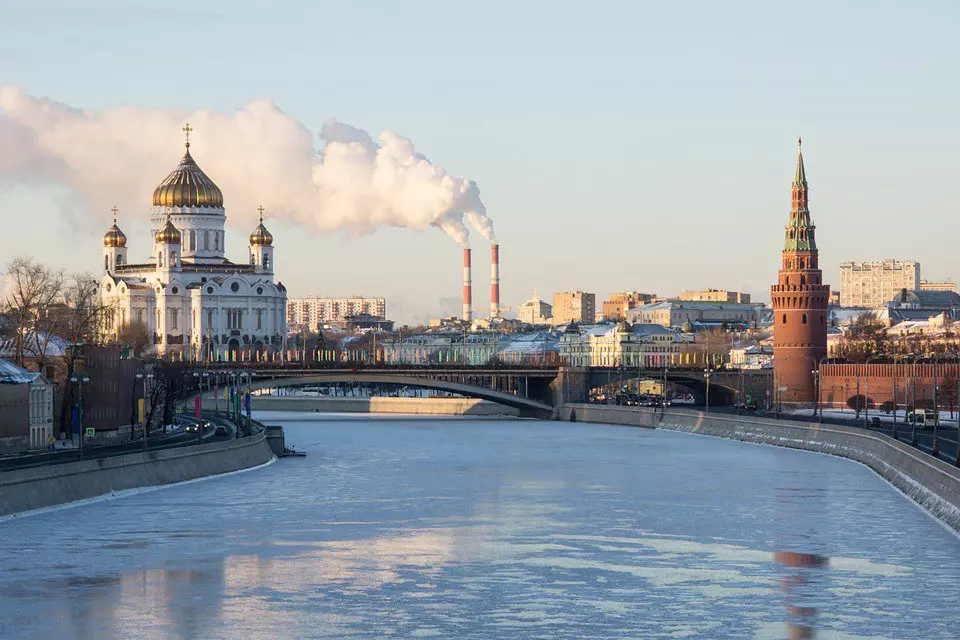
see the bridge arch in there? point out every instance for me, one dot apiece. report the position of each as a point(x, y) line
point(527, 406)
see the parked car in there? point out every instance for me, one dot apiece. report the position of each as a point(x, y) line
point(220, 430)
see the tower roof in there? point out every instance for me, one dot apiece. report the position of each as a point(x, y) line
point(169, 234)
point(800, 175)
point(114, 237)
point(187, 185)
point(260, 236)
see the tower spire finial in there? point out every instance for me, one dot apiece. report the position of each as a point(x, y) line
point(115, 210)
point(186, 130)
point(261, 210)
point(799, 142)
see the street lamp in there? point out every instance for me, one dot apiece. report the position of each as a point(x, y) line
point(145, 378)
point(866, 393)
point(79, 380)
point(706, 374)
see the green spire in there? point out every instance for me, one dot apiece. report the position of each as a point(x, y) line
point(800, 175)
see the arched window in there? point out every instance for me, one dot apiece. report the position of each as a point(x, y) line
point(120, 259)
point(216, 240)
point(160, 258)
point(206, 239)
point(801, 263)
point(173, 259)
point(266, 260)
point(804, 319)
point(106, 263)
point(803, 279)
point(784, 319)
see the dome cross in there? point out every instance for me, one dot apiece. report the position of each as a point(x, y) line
point(115, 210)
point(186, 130)
point(261, 210)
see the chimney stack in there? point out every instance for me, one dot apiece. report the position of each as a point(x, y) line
point(494, 281)
point(467, 288)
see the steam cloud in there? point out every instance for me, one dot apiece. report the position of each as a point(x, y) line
point(257, 155)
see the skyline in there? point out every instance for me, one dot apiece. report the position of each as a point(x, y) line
point(687, 155)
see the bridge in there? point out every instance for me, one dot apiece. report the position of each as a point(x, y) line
point(532, 390)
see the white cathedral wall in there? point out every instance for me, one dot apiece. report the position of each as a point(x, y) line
point(202, 230)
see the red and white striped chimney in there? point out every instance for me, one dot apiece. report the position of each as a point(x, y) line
point(467, 288)
point(494, 281)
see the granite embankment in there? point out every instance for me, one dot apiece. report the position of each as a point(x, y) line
point(46, 486)
point(420, 406)
point(933, 484)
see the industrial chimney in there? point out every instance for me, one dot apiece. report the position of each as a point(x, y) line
point(494, 281)
point(467, 288)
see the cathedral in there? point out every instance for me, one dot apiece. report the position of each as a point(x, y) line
point(194, 302)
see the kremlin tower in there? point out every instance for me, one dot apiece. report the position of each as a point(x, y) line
point(799, 302)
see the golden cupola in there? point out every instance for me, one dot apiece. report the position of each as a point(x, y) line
point(260, 236)
point(114, 237)
point(169, 234)
point(188, 185)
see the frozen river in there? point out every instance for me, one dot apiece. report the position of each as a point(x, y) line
point(467, 528)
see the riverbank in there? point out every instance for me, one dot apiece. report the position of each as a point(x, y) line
point(418, 406)
point(931, 483)
point(41, 487)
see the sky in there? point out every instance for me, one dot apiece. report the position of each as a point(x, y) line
point(617, 145)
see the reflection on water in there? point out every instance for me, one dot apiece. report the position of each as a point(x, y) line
point(475, 529)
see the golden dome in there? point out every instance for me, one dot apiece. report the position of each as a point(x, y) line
point(114, 237)
point(260, 236)
point(169, 234)
point(187, 185)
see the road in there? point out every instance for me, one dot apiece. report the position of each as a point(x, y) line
point(946, 433)
point(180, 437)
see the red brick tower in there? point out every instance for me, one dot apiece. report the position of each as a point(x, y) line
point(799, 302)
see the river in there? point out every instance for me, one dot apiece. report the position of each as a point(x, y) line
point(416, 527)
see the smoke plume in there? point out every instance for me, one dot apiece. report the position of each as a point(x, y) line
point(257, 155)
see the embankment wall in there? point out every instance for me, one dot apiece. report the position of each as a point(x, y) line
point(27, 489)
point(933, 484)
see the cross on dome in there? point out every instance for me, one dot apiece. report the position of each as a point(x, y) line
point(115, 210)
point(186, 130)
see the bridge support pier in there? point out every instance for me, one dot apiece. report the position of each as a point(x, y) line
point(570, 385)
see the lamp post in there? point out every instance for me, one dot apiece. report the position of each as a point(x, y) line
point(145, 378)
point(79, 380)
point(866, 393)
point(706, 374)
point(913, 393)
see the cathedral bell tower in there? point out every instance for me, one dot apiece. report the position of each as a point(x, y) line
point(799, 302)
point(261, 247)
point(114, 247)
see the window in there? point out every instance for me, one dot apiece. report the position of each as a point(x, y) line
point(173, 318)
point(173, 260)
point(209, 318)
point(804, 319)
point(266, 261)
point(216, 240)
point(259, 318)
point(160, 258)
point(106, 263)
point(193, 240)
point(206, 239)
point(120, 259)
point(784, 319)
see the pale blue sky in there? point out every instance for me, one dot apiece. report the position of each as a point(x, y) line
point(618, 145)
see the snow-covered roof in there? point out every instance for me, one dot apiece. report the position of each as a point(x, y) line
point(12, 374)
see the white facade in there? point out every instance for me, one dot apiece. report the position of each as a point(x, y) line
point(871, 284)
point(41, 412)
point(608, 345)
point(193, 301)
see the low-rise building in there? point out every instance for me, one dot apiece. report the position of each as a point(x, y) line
point(536, 311)
point(614, 345)
point(26, 408)
point(615, 309)
point(752, 356)
point(715, 295)
point(675, 314)
point(927, 285)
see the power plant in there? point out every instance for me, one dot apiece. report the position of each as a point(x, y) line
point(494, 281)
point(467, 314)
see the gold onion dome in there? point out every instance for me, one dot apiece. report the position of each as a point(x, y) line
point(114, 237)
point(188, 185)
point(260, 236)
point(169, 234)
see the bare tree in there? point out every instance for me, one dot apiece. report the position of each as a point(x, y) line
point(137, 336)
point(33, 290)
